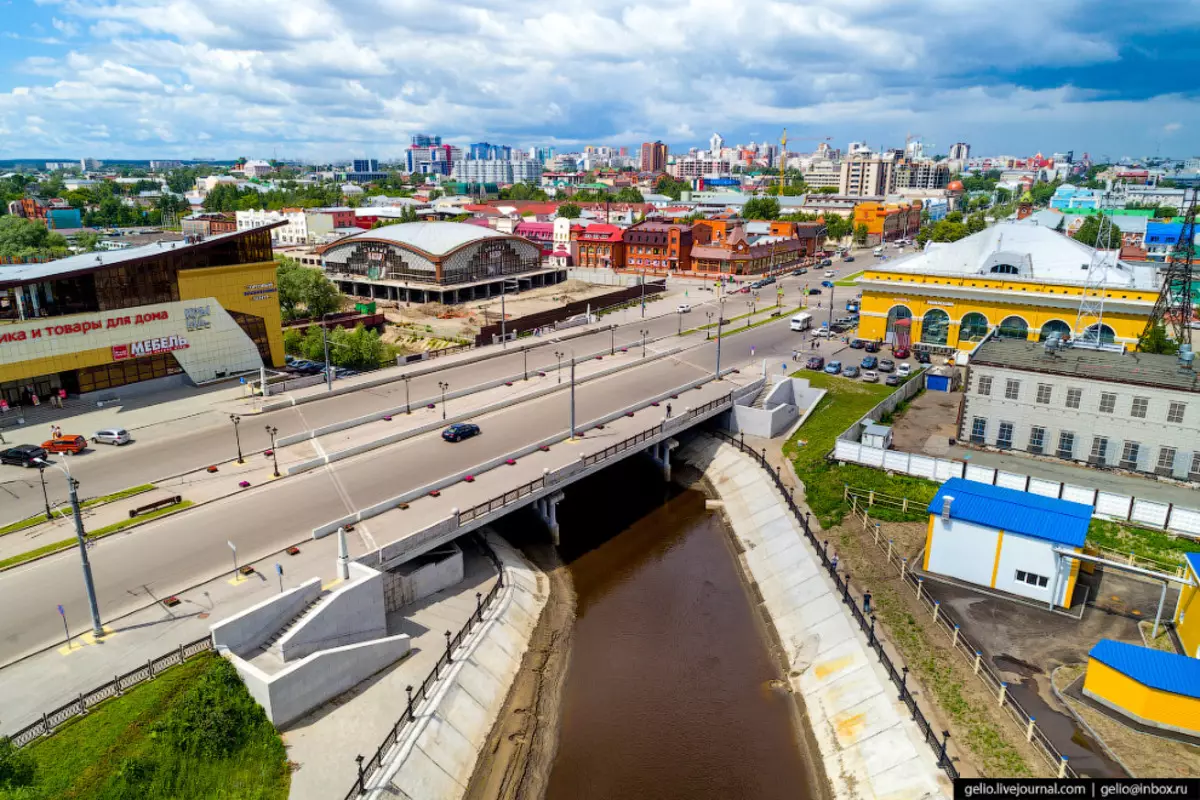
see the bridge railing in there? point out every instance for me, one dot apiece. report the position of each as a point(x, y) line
point(500, 501)
point(612, 450)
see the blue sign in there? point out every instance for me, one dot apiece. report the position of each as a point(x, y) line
point(278, 568)
point(61, 612)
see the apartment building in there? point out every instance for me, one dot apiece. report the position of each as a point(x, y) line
point(867, 174)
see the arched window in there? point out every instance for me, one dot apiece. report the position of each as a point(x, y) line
point(898, 314)
point(1055, 327)
point(935, 326)
point(1107, 334)
point(1013, 328)
point(973, 327)
point(1005, 269)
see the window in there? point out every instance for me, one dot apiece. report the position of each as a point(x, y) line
point(1175, 412)
point(1194, 472)
point(978, 430)
point(985, 385)
point(1012, 389)
point(1043, 393)
point(1005, 436)
point(1108, 403)
point(1138, 409)
point(1037, 439)
point(1129, 455)
point(1073, 396)
point(1066, 445)
point(1166, 461)
point(1040, 581)
point(1099, 450)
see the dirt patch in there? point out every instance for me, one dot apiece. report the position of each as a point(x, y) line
point(928, 424)
point(515, 761)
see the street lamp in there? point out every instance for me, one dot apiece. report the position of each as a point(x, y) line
point(407, 404)
point(720, 321)
point(707, 332)
point(680, 331)
point(444, 386)
point(45, 496)
point(749, 305)
point(525, 353)
point(612, 340)
point(236, 420)
point(572, 395)
point(558, 356)
point(89, 584)
point(644, 334)
point(325, 342)
point(271, 432)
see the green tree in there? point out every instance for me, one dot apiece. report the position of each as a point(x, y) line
point(86, 242)
point(1165, 212)
point(1089, 234)
point(1155, 340)
point(976, 223)
point(838, 227)
point(569, 211)
point(1003, 196)
point(827, 190)
point(215, 716)
point(17, 766)
point(671, 187)
point(292, 340)
point(303, 291)
point(1042, 192)
point(761, 208)
point(628, 194)
point(357, 349)
point(860, 234)
point(24, 238)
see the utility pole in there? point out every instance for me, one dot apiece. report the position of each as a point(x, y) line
point(236, 420)
point(45, 495)
point(832, 287)
point(89, 584)
point(559, 356)
point(644, 335)
point(407, 403)
point(271, 431)
point(444, 386)
point(572, 395)
point(720, 321)
point(328, 370)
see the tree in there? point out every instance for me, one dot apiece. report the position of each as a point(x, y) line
point(1042, 192)
point(838, 227)
point(976, 223)
point(17, 766)
point(303, 289)
point(1003, 196)
point(1089, 234)
point(628, 194)
point(1155, 340)
point(860, 234)
point(671, 187)
point(86, 242)
point(1165, 212)
point(24, 238)
point(828, 190)
point(569, 211)
point(761, 208)
point(357, 349)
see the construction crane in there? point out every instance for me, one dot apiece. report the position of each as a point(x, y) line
point(783, 154)
point(1173, 309)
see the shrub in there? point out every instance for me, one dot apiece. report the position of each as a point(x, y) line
point(215, 717)
point(17, 766)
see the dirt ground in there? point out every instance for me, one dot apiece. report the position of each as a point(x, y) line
point(928, 424)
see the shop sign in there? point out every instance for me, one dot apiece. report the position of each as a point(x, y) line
point(939, 303)
point(149, 347)
point(259, 291)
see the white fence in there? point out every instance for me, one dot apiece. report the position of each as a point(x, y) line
point(1106, 505)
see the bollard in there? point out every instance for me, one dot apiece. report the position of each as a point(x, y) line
point(1003, 691)
point(889, 553)
point(954, 639)
point(876, 534)
point(1029, 731)
point(937, 606)
point(1062, 767)
point(117, 683)
point(978, 661)
point(871, 498)
point(903, 567)
point(920, 586)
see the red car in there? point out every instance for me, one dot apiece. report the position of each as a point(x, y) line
point(900, 352)
point(70, 443)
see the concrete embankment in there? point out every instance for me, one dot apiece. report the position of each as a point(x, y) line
point(436, 755)
point(869, 746)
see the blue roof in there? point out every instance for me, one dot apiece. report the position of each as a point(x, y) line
point(1193, 560)
point(1047, 518)
point(1157, 669)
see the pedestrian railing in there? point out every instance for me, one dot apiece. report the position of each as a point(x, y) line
point(446, 351)
point(368, 768)
point(710, 405)
point(946, 622)
point(619, 447)
point(51, 720)
point(496, 503)
point(866, 621)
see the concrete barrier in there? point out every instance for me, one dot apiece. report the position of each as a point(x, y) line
point(248, 629)
point(352, 613)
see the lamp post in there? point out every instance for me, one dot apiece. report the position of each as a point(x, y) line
point(525, 353)
point(271, 431)
point(558, 356)
point(680, 331)
point(325, 342)
point(749, 305)
point(45, 496)
point(443, 386)
point(644, 334)
point(89, 584)
point(407, 403)
point(612, 340)
point(831, 290)
point(707, 332)
point(236, 420)
point(720, 321)
point(572, 394)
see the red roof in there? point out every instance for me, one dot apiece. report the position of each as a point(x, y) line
point(601, 233)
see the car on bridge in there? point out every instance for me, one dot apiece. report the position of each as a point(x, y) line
point(23, 455)
point(70, 443)
point(460, 430)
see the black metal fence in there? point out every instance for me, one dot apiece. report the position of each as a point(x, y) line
point(367, 768)
point(612, 450)
point(51, 720)
point(496, 503)
point(866, 621)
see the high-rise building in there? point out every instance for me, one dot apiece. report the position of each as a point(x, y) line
point(922, 174)
point(364, 165)
point(489, 151)
point(867, 176)
point(425, 140)
point(87, 164)
point(960, 151)
point(427, 155)
point(654, 157)
point(716, 143)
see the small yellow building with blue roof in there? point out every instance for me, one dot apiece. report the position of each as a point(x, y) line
point(1156, 688)
point(1187, 612)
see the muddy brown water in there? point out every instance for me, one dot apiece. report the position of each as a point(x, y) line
point(670, 692)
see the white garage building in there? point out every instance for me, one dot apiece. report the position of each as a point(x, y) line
point(1006, 540)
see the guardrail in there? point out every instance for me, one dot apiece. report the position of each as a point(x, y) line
point(368, 768)
point(51, 720)
point(511, 496)
point(612, 450)
point(898, 676)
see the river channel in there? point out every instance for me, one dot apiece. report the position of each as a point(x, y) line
point(672, 690)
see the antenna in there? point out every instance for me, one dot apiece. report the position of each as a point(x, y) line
point(1089, 322)
point(1174, 304)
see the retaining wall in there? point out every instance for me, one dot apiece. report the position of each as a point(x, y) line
point(248, 629)
point(352, 613)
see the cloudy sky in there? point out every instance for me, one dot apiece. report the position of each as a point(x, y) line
point(332, 79)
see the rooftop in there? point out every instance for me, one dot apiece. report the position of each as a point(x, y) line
point(1139, 369)
point(435, 238)
point(1193, 560)
point(1157, 669)
point(1046, 518)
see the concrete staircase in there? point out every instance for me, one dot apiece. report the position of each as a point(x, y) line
point(272, 645)
point(760, 399)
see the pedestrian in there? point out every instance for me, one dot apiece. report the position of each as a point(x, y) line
point(866, 601)
point(668, 410)
point(833, 562)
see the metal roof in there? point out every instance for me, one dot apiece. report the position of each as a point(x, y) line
point(1157, 669)
point(435, 238)
point(1139, 369)
point(1047, 518)
point(1193, 560)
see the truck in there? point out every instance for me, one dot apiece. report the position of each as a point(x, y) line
point(801, 322)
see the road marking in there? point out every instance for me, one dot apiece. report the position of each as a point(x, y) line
point(238, 580)
point(79, 642)
point(327, 586)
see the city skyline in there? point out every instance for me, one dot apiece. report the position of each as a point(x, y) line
point(305, 80)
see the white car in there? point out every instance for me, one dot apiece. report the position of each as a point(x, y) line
point(904, 370)
point(829, 273)
point(822, 333)
point(683, 308)
point(115, 436)
point(870, 376)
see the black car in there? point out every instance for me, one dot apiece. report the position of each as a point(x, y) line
point(922, 356)
point(23, 455)
point(848, 258)
point(459, 431)
point(858, 344)
point(799, 272)
point(766, 281)
point(814, 291)
point(872, 347)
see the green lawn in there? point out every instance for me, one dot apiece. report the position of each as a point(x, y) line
point(37, 519)
point(1145, 542)
point(849, 280)
point(193, 732)
point(731, 330)
point(844, 403)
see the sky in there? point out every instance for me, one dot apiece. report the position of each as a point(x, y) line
point(329, 80)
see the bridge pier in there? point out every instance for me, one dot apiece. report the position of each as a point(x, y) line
point(547, 509)
point(660, 453)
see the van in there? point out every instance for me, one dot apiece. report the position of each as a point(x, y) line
point(801, 322)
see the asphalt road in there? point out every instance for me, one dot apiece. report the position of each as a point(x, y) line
point(155, 560)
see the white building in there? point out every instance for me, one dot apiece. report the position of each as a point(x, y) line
point(295, 232)
point(701, 166)
point(867, 175)
point(256, 169)
point(823, 172)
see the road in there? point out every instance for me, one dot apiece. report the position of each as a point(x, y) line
point(163, 557)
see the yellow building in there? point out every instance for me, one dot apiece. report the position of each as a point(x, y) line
point(1021, 279)
point(1187, 612)
point(1153, 687)
point(205, 308)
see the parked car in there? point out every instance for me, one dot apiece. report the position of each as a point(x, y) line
point(683, 308)
point(815, 362)
point(870, 362)
point(900, 352)
point(857, 344)
point(459, 431)
point(825, 262)
point(117, 436)
point(798, 272)
point(767, 281)
point(70, 443)
point(23, 455)
point(833, 367)
point(872, 347)
point(892, 380)
point(870, 376)
point(904, 370)
point(886, 365)
point(822, 333)
point(850, 371)
point(848, 258)
point(922, 357)
point(827, 284)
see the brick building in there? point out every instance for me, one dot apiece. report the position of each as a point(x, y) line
point(599, 246)
point(659, 247)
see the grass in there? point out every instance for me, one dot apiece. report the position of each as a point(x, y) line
point(1144, 542)
point(99, 533)
point(767, 321)
point(845, 402)
point(849, 280)
point(38, 519)
point(119, 750)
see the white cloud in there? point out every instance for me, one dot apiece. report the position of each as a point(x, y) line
point(65, 27)
point(1172, 127)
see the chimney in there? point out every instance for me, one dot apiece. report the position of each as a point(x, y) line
point(946, 501)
